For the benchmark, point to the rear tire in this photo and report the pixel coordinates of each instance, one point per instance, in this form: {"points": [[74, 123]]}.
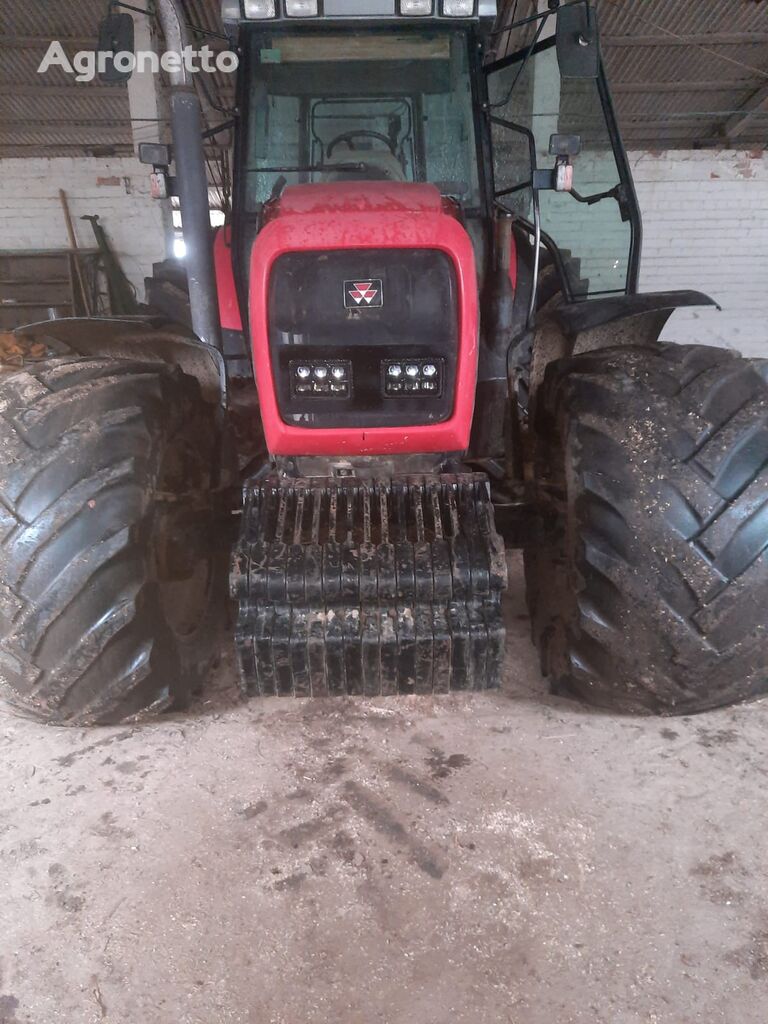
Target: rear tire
{"points": [[647, 574], [111, 588]]}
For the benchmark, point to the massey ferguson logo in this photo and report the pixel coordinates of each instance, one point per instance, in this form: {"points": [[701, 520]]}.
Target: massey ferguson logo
{"points": [[362, 293]]}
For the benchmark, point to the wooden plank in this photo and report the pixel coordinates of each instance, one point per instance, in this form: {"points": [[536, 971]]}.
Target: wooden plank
{"points": [[65, 92], [43, 42], [75, 256], [326, 48]]}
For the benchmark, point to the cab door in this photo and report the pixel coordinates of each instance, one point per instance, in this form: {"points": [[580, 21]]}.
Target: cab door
{"points": [[530, 102]]}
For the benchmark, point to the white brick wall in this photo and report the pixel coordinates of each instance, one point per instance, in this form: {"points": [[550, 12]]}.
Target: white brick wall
{"points": [[705, 219], [116, 189]]}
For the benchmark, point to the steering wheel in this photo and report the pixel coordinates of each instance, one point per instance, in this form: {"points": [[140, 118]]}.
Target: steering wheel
{"points": [[361, 133]]}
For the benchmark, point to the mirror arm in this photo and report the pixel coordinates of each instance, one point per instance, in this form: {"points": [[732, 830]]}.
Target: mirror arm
{"points": [[612, 193]]}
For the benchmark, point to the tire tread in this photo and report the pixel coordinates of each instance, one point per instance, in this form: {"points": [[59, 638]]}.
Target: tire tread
{"points": [[666, 471], [82, 639]]}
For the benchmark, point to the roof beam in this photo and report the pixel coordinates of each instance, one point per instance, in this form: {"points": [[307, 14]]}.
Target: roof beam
{"points": [[10, 124], [756, 105], [660, 124], [715, 39], [9, 149], [81, 90], [13, 42], [71, 43], [646, 87]]}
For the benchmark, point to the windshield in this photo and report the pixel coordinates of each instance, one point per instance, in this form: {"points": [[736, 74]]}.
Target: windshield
{"points": [[371, 106]]}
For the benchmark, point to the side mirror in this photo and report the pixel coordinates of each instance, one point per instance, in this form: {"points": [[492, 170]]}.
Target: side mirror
{"points": [[577, 41], [559, 145], [115, 36], [158, 155], [563, 147]]}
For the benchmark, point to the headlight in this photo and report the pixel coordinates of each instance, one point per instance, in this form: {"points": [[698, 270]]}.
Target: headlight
{"points": [[259, 8], [458, 8], [415, 8], [301, 8], [230, 10]]}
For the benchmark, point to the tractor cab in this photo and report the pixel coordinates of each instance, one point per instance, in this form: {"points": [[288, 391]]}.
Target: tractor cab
{"points": [[347, 105], [502, 114], [507, 119]]}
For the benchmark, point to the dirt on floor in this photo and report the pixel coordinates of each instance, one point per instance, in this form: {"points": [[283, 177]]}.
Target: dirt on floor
{"points": [[475, 859]]}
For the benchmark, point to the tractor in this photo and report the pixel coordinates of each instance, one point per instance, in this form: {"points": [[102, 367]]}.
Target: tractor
{"points": [[425, 304]]}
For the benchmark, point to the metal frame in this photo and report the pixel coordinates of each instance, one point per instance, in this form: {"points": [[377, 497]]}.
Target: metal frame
{"points": [[625, 173]]}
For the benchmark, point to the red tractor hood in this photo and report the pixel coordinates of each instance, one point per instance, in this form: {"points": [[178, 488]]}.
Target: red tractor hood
{"points": [[359, 197], [363, 215]]}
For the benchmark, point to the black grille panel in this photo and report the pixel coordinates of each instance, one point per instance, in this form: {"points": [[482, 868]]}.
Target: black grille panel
{"points": [[311, 318]]}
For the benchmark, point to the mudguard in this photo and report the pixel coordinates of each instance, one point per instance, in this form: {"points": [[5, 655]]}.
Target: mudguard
{"points": [[577, 327], [139, 339], [623, 319]]}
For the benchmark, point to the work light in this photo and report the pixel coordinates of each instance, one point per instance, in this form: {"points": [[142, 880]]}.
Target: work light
{"points": [[237, 11], [415, 8], [259, 8], [458, 8], [230, 10], [301, 8]]}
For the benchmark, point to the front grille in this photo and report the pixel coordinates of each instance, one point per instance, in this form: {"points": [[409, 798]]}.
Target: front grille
{"points": [[366, 309]]}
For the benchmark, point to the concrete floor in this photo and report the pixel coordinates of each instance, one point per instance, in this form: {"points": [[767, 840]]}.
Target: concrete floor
{"points": [[470, 859]]}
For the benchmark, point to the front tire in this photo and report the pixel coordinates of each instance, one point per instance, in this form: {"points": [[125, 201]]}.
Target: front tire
{"points": [[647, 574], [110, 584]]}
